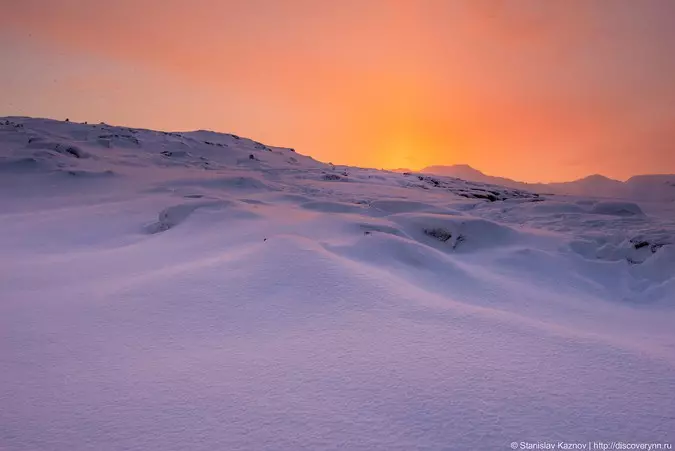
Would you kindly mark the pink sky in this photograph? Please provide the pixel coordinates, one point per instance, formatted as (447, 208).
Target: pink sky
(529, 89)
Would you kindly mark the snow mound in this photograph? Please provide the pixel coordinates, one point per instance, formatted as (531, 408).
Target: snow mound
(118, 140)
(332, 207)
(172, 216)
(555, 207)
(617, 209)
(13, 165)
(458, 233)
(68, 150)
(405, 206)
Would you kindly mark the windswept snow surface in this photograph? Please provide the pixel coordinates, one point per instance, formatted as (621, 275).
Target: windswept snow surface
(202, 291)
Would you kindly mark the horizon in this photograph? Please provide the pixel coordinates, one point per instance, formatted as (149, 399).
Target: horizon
(535, 92)
(623, 180)
(398, 169)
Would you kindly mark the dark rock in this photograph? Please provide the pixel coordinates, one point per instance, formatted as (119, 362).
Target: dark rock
(489, 197)
(332, 177)
(74, 152)
(640, 244)
(438, 233)
(656, 247)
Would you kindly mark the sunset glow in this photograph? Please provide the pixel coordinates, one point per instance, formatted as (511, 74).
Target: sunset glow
(532, 90)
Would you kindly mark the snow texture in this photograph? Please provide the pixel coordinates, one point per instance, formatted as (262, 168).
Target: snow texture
(166, 291)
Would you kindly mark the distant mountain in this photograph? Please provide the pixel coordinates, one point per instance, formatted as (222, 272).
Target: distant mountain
(594, 185)
(650, 186)
(466, 172)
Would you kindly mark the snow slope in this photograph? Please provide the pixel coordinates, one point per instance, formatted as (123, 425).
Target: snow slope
(658, 187)
(201, 291)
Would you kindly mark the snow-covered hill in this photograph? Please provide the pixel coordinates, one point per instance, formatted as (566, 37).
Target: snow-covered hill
(200, 291)
(651, 187)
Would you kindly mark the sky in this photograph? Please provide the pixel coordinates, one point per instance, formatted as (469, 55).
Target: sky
(535, 90)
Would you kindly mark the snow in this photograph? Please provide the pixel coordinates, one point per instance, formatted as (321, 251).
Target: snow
(659, 187)
(166, 291)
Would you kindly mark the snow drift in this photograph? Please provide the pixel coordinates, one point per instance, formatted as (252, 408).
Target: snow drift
(198, 290)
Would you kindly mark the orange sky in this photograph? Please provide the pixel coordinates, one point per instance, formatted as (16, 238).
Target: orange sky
(528, 89)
